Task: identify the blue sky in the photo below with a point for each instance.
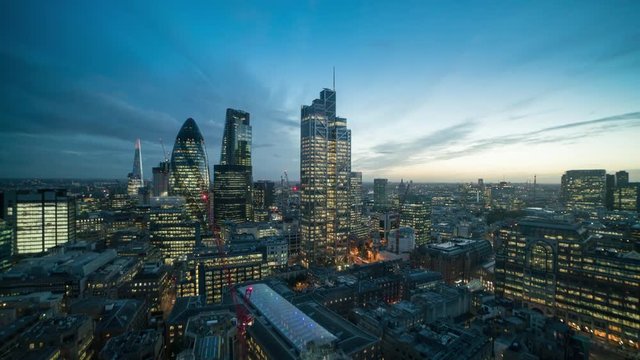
(433, 91)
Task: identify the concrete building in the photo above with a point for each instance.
(134, 345)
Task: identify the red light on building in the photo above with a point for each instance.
(295, 188)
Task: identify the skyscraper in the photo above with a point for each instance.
(161, 178)
(136, 180)
(41, 219)
(325, 167)
(622, 178)
(358, 225)
(380, 200)
(232, 180)
(189, 175)
(584, 189)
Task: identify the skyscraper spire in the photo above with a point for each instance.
(136, 180)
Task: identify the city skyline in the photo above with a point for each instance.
(443, 93)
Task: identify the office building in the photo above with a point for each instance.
(189, 173)
(41, 219)
(6, 245)
(135, 178)
(263, 194)
(134, 345)
(627, 197)
(584, 190)
(556, 268)
(232, 180)
(358, 223)
(325, 168)
(72, 336)
(161, 178)
(208, 272)
(458, 260)
(172, 231)
(380, 198)
(622, 178)
(402, 240)
(416, 215)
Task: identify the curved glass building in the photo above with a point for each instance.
(189, 175)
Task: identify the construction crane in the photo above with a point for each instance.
(164, 152)
(243, 317)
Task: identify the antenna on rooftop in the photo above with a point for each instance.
(334, 78)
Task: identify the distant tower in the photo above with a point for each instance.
(189, 173)
(380, 200)
(534, 189)
(233, 180)
(622, 178)
(325, 169)
(136, 180)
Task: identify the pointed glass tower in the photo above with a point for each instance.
(189, 175)
(136, 181)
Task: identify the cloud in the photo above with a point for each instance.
(552, 134)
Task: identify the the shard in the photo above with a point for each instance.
(136, 181)
(189, 175)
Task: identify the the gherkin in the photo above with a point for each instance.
(190, 171)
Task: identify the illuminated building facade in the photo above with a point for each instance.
(380, 199)
(136, 180)
(41, 219)
(555, 268)
(232, 181)
(325, 168)
(189, 175)
(209, 271)
(417, 216)
(584, 189)
(6, 245)
(627, 197)
(358, 226)
(171, 231)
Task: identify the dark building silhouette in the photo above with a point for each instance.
(622, 178)
(380, 199)
(232, 179)
(161, 178)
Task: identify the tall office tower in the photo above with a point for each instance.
(41, 219)
(584, 189)
(161, 178)
(263, 194)
(6, 245)
(561, 270)
(417, 216)
(359, 228)
(325, 167)
(622, 178)
(189, 172)
(610, 185)
(136, 180)
(232, 180)
(380, 199)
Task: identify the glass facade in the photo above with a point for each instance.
(380, 200)
(554, 267)
(416, 216)
(171, 231)
(189, 175)
(232, 180)
(6, 245)
(136, 180)
(42, 219)
(584, 189)
(325, 169)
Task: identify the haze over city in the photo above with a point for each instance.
(433, 91)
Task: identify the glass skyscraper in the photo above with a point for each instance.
(189, 175)
(136, 180)
(380, 199)
(233, 181)
(325, 168)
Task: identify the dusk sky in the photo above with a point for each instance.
(433, 91)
